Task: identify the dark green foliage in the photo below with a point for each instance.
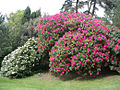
(33, 15)
(5, 47)
(27, 31)
(114, 14)
(36, 14)
(24, 32)
(1, 18)
(18, 33)
(13, 34)
(26, 16)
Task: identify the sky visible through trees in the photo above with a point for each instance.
(46, 6)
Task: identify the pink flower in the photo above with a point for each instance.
(118, 41)
(69, 47)
(72, 51)
(106, 63)
(79, 62)
(99, 39)
(115, 30)
(105, 46)
(93, 63)
(78, 54)
(61, 39)
(82, 64)
(42, 31)
(97, 73)
(88, 49)
(50, 37)
(38, 50)
(97, 59)
(68, 71)
(77, 44)
(74, 57)
(64, 47)
(73, 63)
(103, 37)
(59, 24)
(60, 43)
(61, 74)
(53, 50)
(108, 43)
(112, 27)
(53, 59)
(78, 66)
(112, 61)
(90, 73)
(104, 49)
(48, 32)
(79, 29)
(84, 46)
(51, 70)
(65, 41)
(76, 48)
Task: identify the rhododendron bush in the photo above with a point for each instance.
(78, 42)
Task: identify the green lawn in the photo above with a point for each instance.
(46, 82)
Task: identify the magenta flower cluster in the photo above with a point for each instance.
(78, 42)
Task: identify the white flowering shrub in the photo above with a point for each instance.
(22, 61)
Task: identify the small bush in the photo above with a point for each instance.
(22, 61)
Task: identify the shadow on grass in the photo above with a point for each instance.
(46, 75)
(74, 76)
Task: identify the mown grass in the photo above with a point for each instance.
(109, 82)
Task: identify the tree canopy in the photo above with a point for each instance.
(75, 5)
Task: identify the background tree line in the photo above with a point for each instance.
(17, 29)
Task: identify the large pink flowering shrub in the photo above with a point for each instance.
(77, 42)
(51, 28)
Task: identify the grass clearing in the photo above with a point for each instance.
(47, 81)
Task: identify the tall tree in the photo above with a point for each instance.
(91, 4)
(26, 16)
(20, 33)
(14, 22)
(67, 5)
(113, 15)
(26, 31)
(106, 4)
(36, 14)
(77, 5)
(14, 19)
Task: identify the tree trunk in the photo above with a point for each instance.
(77, 5)
(89, 7)
(93, 11)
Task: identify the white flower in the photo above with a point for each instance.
(13, 72)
